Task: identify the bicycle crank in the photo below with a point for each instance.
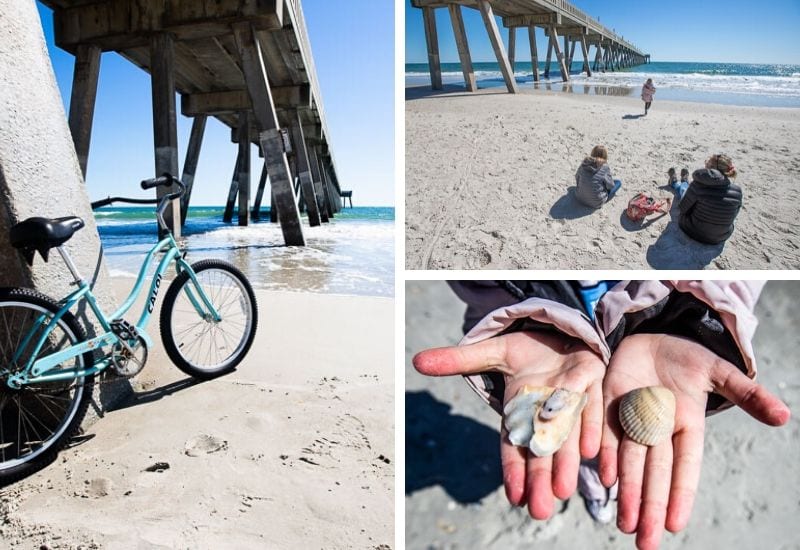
(129, 354)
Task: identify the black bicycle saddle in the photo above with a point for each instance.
(42, 234)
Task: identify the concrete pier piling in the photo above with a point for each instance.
(558, 18)
(247, 63)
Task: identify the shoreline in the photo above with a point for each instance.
(489, 175)
(301, 434)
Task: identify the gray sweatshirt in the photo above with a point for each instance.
(593, 183)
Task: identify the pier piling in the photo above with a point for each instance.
(559, 18)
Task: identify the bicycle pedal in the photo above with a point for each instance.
(124, 330)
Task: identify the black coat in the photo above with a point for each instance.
(709, 207)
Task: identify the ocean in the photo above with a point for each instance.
(724, 83)
(351, 255)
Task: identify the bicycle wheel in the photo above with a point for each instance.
(37, 420)
(197, 344)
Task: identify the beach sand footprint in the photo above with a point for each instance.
(204, 444)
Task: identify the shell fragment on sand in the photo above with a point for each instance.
(648, 414)
(541, 417)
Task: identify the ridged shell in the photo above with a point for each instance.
(535, 421)
(648, 414)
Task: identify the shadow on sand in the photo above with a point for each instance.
(148, 396)
(632, 117)
(568, 207)
(455, 452)
(674, 249)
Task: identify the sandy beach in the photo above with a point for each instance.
(295, 449)
(490, 181)
(747, 497)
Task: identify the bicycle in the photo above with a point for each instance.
(207, 323)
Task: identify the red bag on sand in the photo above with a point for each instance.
(641, 206)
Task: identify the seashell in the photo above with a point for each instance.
(541, 417)
(648, 414)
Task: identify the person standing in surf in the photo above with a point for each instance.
(648, 91)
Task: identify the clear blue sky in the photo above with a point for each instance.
(353, 47)
(726, 31)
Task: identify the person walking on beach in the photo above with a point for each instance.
(710, 203)
(648, 91)
(595, 184)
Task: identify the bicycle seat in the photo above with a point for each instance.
(42, 234)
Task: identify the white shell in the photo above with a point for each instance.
(648, 414)
(541, 418)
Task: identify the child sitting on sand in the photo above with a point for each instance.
(710, 203)
(595, 184)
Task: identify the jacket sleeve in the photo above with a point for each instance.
(717, 314)
(688, 200)
(513, 306)
(608, 178)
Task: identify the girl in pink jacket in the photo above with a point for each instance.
(648, 91)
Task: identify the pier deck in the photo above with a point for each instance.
(246, 62)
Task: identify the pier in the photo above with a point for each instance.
(562, 22)
(247, 63)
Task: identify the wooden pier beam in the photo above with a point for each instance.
(534, 52)
(270, 138)
(512, 47)
(463, 47)
(244, 168)
(190, 163)
(585, 50)
(325, 181)
(571, 55)
(432, 41)
(303, 170)
(598, 56)
(559, 54)
(549, 56)
(262, 183)
(316, 179)
(227, 215)
(165, 123)
(81, 105)
(497, 44)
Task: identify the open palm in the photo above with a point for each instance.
(657, 484)
(537, 359)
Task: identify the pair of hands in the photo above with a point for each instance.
(657, 485)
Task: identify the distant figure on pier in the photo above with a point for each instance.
(648, 91)
(596, 185)
(711, 202)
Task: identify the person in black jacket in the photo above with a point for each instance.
(712, 202)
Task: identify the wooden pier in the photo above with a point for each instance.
(246, 62)
(558, 18)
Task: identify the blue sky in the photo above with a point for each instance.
(726, 31)
(354, 62)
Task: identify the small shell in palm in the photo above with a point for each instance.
(541, 417)
(648, 414)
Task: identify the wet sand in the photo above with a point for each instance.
(490, 181)
(747, 496)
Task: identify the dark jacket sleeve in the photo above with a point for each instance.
(688, 201)
(608, 178)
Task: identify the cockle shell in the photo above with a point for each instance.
(648, 414)
(541, 417)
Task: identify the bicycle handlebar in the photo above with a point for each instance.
(163, 180)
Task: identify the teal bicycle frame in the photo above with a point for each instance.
(38, 371)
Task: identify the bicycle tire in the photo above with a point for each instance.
(178, 343)
(16, 467)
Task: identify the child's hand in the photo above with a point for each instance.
(657, 485)
(539, 359)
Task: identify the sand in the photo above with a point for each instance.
(490, 181)
(748, 496)
(295, 449)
